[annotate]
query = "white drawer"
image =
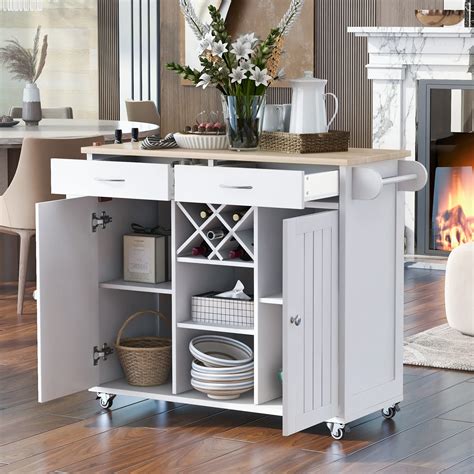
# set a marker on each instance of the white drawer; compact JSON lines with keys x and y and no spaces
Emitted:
{"x":153,"y":181}
{"x":253,"y":187}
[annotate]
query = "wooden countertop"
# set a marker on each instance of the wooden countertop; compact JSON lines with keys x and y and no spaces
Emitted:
{"x":355,"y":156}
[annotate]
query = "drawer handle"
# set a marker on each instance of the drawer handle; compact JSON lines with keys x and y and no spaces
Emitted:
{"x":110,"y":180}
{"x":228,"y":186}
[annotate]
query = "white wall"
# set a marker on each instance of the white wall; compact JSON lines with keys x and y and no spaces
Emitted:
{"x":70,"y":77}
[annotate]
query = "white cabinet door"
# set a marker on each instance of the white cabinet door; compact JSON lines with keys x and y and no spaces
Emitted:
{"x":310,"y":316}
{"x":67,"y":279}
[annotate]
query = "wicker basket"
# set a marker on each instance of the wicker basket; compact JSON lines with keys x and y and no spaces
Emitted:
{"x":305,"y":142}
{"x":146,"y":361}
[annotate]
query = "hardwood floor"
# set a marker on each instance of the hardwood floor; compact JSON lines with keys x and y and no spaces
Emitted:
{"x":433,"y":432}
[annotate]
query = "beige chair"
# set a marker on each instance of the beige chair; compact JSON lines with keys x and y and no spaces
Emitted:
{"x":142,"y":111}
{"x":32,"y":184}
{"x":47,"y":113}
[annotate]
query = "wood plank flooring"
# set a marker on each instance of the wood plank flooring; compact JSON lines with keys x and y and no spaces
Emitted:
{"x":434,"y":431}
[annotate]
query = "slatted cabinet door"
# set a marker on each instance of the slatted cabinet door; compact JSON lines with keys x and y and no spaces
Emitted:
{"x":68,"y":304}
{"x":310,"y":326}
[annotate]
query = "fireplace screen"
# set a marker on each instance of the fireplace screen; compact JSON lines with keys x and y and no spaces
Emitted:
{"x":445,"y":212}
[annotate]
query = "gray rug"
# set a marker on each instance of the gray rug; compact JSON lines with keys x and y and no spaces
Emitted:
{"x":441,"y":347}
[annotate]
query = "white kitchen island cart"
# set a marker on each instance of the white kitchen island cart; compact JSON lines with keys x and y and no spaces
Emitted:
{"x":324,"y":239}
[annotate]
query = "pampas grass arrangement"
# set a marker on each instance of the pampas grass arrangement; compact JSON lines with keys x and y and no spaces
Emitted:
{"x":25,"y":64}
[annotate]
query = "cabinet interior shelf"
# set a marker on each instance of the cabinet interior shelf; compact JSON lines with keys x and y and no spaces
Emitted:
{"x":276,"y":299}
{"x":225,"y":263}
{"x":192,"y":397}
{"x":229,"y":328}
{"x":164,"y":288}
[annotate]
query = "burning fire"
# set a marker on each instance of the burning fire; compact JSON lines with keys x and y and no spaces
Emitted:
{"x":454,"y":212}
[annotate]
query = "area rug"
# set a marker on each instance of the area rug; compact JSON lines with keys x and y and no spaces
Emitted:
{"x":441,"y":347}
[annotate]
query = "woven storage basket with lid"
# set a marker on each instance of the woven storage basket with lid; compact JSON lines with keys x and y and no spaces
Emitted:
{"x":146,"y":361}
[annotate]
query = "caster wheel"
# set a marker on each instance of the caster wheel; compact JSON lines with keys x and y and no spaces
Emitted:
{"x":105,"y":400}
{"x":390,"y":412}
{"x":337,"y":430}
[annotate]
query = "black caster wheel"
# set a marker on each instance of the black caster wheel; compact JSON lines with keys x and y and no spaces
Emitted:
{"x":105,"y":400}
{"x":390,"y":412}
{"x":337,"y":430}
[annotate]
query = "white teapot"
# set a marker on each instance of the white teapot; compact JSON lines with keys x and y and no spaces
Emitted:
{"x":308,"y":105}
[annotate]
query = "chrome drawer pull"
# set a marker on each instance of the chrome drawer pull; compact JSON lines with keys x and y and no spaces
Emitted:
{"x":228,"y":186}
{"x":110,"y":180}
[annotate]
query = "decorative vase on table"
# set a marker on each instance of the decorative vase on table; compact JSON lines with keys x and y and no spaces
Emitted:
{"x":243,"y":116}
{"x":31,"y":112}
{"x":241,"y":70}
{"x":27,"y":65}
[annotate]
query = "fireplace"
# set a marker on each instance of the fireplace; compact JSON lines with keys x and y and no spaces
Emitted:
{"x":445,"y":145}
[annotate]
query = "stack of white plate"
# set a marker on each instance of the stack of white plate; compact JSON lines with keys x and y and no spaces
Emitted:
{"x":223,"y":367}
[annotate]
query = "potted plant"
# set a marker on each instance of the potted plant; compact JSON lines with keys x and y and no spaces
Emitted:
{"x":27,"y":65}
{"x":241,"y":70}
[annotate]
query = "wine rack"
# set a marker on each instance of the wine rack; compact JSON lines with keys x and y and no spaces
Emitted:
{"x":238,"y":234}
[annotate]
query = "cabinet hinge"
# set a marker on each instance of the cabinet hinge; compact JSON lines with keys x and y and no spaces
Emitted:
{"x":103,"y":353}
{"x":100,"y":221}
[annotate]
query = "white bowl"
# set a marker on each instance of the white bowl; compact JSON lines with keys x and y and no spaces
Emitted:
{"x":222,"y":391}
{"x":199,"y":367}
{"x":241,"y":377}
{"x":220,"y":351}
{"x":202,"y":142}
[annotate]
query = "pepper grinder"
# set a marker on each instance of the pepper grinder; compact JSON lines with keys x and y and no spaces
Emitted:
{"x":469,"y":14}
{"x":118,"y":136}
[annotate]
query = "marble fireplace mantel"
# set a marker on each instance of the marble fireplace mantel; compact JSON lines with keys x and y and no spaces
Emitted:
{"x":398,"y":58}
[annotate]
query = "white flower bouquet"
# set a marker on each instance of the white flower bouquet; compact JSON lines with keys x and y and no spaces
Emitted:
{"x":241,"y":70}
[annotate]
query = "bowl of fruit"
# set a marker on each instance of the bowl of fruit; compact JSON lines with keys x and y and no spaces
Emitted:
{"x":208,"y":133}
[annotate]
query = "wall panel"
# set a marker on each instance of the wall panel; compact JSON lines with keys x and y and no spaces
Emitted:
{"x":109,"y":66}
{"x":341,"y":59}
{"x":139,"y":43}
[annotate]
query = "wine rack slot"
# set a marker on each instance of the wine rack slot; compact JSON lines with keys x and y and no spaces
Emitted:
{"x":220,"y":233}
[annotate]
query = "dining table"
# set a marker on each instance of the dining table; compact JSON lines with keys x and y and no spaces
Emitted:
{"x":11,"y":138}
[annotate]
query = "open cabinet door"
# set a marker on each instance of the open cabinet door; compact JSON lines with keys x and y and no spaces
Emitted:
{"x":67,"y":279}
{"x":310,"y":329}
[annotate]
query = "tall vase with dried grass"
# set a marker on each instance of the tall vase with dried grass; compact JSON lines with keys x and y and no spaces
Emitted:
{"x":27,"y":65}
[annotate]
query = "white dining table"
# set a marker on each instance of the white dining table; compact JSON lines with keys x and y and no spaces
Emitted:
{"x":12,"y":137}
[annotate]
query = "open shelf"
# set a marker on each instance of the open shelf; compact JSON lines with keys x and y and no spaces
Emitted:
{"x":164,"y":288}
{"x":229,"y":328}
{"x":191,"y":397}
{"x":225,"y":263}
{"x":274,"y":299}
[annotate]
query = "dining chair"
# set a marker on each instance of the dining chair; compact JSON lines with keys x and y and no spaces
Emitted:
{"x":47,"y":113}
{"x":30,"y":185}
{"x":144,"y":111}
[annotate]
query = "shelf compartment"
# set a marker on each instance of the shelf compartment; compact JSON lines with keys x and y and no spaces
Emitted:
{"x":276,"y":299}
{"x":239,"y":234}
{"x":164,"y":288}
{"x":191,"y":397}
{"x":225,"y":263}
{"x":201,"y":326}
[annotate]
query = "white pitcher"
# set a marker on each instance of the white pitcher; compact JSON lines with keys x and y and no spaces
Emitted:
{"x":308,"y":106}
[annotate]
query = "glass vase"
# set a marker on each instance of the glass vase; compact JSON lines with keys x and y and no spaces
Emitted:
{"x":243,"y":116}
